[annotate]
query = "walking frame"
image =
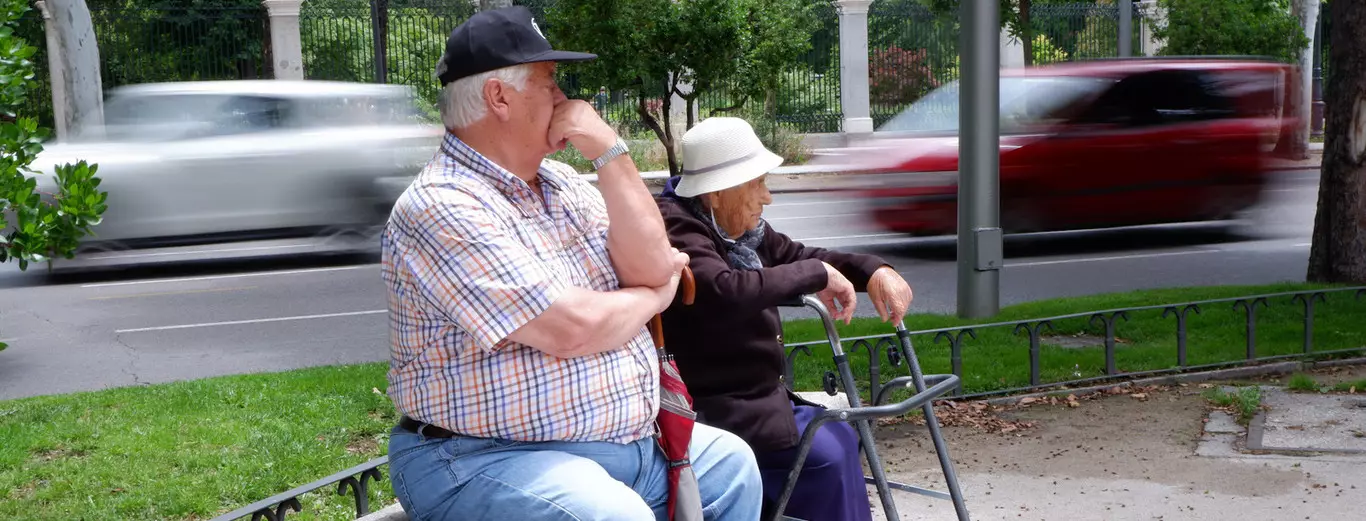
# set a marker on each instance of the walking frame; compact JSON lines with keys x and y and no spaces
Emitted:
{"x":862,"y":417}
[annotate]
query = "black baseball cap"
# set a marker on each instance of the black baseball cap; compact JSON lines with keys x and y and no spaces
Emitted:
{"x":495,"y":39}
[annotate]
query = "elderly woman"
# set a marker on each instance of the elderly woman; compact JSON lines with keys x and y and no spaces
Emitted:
{"x":729,"y":344}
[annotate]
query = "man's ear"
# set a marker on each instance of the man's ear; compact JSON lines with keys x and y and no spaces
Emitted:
{"x":496,"y":99}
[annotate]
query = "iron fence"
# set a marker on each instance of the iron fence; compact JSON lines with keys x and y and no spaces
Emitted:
{"x":1030,"y":334}
{"x":913,"y":49}
{"x":1023,"y":343}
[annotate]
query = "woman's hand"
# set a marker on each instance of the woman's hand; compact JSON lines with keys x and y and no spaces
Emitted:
{"x":838,"y":290}
{"x":890,"y":293}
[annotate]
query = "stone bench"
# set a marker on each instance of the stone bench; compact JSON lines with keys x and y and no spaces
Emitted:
{"x":392,"y":512}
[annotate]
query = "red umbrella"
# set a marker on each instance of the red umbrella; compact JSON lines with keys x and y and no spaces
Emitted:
{"x":675,"y":421}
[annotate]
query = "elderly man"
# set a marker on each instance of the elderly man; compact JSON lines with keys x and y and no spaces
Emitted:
{"x":518,"y":298}
{"x":729,"y":344}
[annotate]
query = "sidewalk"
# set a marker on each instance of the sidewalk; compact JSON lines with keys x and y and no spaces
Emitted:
{"x":1149,"y":455}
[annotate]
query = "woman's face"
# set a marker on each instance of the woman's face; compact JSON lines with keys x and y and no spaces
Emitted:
{"x":739,"y":208}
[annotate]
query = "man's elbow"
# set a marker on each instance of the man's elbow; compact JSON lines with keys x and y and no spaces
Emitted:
{"x":646,"y":272}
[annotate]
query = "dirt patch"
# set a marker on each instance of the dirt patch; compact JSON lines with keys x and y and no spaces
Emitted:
{"x":1140,"y":436}
{"x":363,"y":445}
{"x":59,"y":453}
{"x":1077,"y":341}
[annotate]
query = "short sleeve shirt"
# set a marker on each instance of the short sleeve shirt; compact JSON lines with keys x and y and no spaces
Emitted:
{"x":469,"y":255}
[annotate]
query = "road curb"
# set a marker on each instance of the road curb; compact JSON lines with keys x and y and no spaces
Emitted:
{"x":1197,"y":377}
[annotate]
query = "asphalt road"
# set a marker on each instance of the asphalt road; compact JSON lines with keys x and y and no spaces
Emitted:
{"x":158,"y":324}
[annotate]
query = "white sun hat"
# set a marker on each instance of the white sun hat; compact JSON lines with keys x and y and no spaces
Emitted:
{"x":720,"y":153}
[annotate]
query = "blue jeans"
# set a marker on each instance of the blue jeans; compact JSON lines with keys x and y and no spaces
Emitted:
{"x":471,"y":479}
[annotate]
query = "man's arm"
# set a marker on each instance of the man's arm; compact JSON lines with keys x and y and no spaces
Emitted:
{"x":636,"y":241}
{"x":491,"y":286}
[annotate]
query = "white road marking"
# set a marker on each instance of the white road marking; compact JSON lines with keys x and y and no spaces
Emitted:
{"x":252,"y":321}
{"x":233,"y":276}
{"x":1116,"y":257}
{"x":813,"y":203}
{"x":799,"y":217}
{"x":834,"y":238}
{"x":1304,"y":245}
{"x":194,"y":252}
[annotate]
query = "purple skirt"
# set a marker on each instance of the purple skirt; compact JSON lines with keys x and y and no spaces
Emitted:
{"x":830,"y":486}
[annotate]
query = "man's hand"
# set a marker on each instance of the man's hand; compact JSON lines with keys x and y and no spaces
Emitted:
{"x":838,"y":290}
{"x":575,"y":122}
{"x":890,"y":293}
{"x":667,"y":292}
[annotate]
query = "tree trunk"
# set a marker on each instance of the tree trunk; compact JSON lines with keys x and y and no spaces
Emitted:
{"x":75,"y":69}
{"x":1338,"y":254}
{"x":665,"y":135}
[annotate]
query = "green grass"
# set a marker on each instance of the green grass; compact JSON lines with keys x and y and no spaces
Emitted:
{"x":1305,"y":383}
{"x":1302,"y":382}
{"x":1245,"y":402}
{"x":192,"y":450}
{"x":999,"y":359}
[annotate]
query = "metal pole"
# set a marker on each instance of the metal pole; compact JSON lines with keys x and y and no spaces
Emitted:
{"x":979,"y":232}
{"x":380,"y":49}
{"x":1316,"y":112}
{"x":1126,"y":28}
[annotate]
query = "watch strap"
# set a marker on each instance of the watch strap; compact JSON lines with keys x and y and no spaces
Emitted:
{"x":618,"y":149}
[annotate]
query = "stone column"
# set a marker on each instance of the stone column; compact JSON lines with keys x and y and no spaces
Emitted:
{"x":1012,"y":50}
{"x":286,"y":47}
{"x":853,"y":16}
{"x":1152,"y":15}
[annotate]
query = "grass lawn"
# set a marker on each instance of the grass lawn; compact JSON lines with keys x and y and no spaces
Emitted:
{"x":193,"y":450}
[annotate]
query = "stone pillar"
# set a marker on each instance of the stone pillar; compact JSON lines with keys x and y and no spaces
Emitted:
{"x":54,"y":67}
{"x":286,"y":47}
{"x":1152,"y":16}
{"x":1012,"y":50}
{"x":853,"y":16}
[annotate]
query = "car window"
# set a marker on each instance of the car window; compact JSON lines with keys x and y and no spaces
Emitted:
{"x":1159,"y":98}
{"x":1025,"y":103}
{"x":358,"y":110}
{"x":169,"y":117}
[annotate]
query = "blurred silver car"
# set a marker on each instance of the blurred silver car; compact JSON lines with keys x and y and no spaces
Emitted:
{"x":205,"y":162}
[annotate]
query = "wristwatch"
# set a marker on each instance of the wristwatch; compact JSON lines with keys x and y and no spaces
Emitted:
{"x":611,"y":153}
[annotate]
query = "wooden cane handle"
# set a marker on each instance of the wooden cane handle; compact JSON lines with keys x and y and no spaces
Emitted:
{"x":688,"y":286}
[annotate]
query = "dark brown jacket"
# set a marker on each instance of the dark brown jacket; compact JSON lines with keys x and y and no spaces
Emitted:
{"x":728,"y":343}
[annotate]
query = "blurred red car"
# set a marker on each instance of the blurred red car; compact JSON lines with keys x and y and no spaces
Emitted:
{"x":1090,"y":145}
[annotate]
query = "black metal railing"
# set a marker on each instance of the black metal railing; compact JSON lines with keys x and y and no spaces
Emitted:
{"x":354,"y":481}
{"x":1108,"y":324}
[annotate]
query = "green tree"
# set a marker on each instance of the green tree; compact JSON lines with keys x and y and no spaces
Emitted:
{"x":1231,"y":27}
{"x":650,"y":47}
{"x":33,"y":229}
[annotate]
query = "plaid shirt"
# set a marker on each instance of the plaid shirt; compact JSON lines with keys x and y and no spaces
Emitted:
{"x":470,"y":254}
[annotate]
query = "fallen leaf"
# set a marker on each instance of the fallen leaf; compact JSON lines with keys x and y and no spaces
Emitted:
{"x":1139,"y":396}
{"x":1352,"y":390}
{"x":1028,"y":400}
{"x":1206,"y":386}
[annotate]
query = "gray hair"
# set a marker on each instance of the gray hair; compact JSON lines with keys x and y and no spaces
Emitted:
{"x":462,"y":101}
